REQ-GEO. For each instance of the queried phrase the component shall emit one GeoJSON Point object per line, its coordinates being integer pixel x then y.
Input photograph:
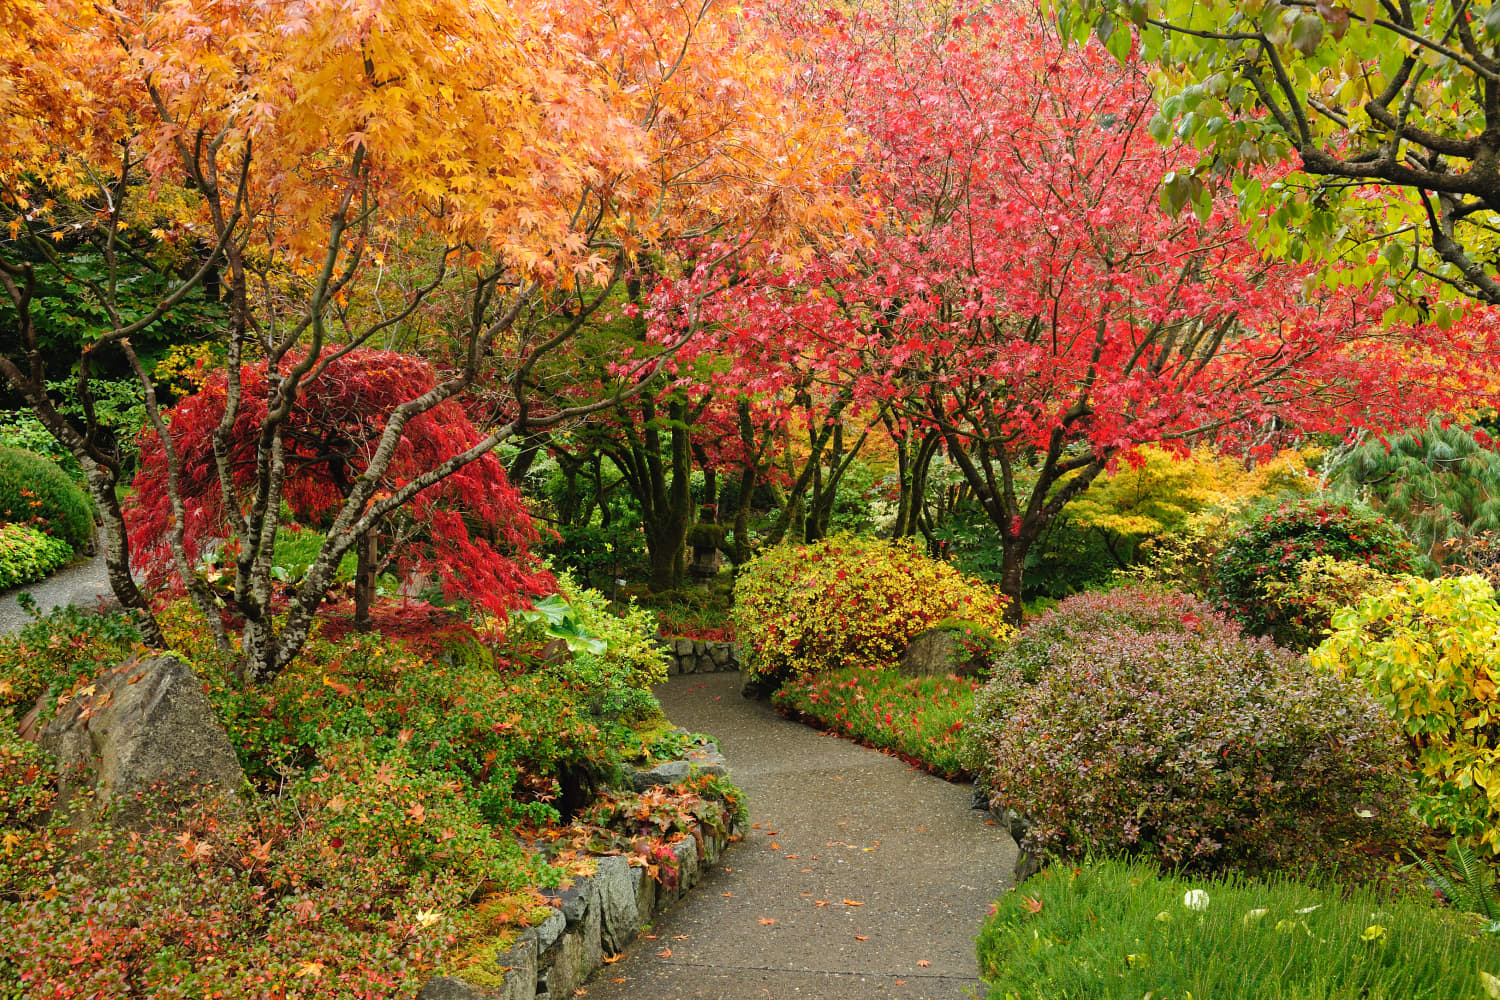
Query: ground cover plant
{"type": "Point", "coordinates": [1186, 741]}
{"type": "Point", "coordinates": [1427, 649]}
{"type": "Point", "coordinates": [920, 719]}
{"type": "Point", "coordinates": [1110, 930]}
{"type": "Point", "coordinates": [846, 601]}
{"type": "Point", "coordinates": [27, 554]}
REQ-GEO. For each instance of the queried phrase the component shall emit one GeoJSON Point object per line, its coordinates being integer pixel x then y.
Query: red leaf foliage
{"type": "Point", "coordinates": [472, 530]}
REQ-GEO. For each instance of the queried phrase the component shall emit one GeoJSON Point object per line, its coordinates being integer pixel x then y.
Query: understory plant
{"type": "Point", "coordinates": [845, 601]}
{"type": "Point", "coordinates": [1188, 742]}
{"type": "Point", "coordinates": [1111, 930]}
{"type": "Point", "coordinates": [1429, 650]}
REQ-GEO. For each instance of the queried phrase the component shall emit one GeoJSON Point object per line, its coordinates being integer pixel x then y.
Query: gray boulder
{"type": "Point", "coordinates": [938, 651]}
{"type": "Point", "coordinates": [143, 734]}
{"type": "Point", "coordinates": [666, 773]}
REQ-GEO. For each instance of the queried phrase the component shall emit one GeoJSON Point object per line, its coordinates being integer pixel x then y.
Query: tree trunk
{"type": "Point", "coordinates": [364, 580]}
{"type": "Point", "coordinates": [117, 553]}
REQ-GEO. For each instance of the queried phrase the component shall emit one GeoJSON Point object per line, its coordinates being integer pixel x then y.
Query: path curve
{"type": "Point", "coordinates": [58, 590]}
{"type": "Point", "coordinates": [835, 822]}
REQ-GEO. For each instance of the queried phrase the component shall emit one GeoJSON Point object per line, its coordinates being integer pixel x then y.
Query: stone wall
{"type": "Point", "coordinates": [701, 656]}
{"type": "Point", "coordinates": [596, 916]}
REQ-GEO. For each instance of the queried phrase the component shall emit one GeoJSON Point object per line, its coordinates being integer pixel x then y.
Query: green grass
{"type": "Point", "coordinates": [1116, 931]}
{"type": "Point", "coordinates": [919, 718]}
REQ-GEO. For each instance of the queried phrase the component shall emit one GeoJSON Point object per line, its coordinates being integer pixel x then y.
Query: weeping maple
{"type": "Point", "coordinates": [1020, 300]}
{"type": "Point", "coordinates": [470, 530]}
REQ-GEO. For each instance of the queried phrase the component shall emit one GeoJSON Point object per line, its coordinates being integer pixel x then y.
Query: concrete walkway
{"type": "Point", "coordinates": [835, 825]}
{"type": "Point", "coordinates": [57, 590]}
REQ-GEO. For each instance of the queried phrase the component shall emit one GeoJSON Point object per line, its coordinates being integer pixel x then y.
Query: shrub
{"type": "Point", "coordinates": [918, 718]}
{"type": "Point", "coordinates": [28, 786]}
{"type": "Point", "coordinates": [1274, 542]}
{"type": "Point", "coordinates": [1190, 743]}
{"type": "Point", "coordinates": [1305, 604]}
{"type": "Point", "coordinates": [1430, 652]}
{"type": "Point", "coordinates": [34, 491]}
{"type": "Point", "coordinates": [27, 554]}
{"type": "Point", "coordinates": [849, 601]}
{"type": "Point", "coordinates": [1114, 931]}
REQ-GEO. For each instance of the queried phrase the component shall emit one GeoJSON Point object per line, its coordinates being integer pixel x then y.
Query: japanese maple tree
{"type": "Point", "coordinates": [470, 530]}
{"type": "Point", "coordinates": [1020, 295]}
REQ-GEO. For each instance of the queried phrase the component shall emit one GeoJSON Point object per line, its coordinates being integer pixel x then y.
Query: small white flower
{"type": "Point", "coordinates": [1195, 899]}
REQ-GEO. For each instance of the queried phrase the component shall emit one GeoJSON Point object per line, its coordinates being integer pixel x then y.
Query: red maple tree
{"type": "Point", "coordinates": [1021, 295]}
{"type": "Point", "coordinates": [470, 530]}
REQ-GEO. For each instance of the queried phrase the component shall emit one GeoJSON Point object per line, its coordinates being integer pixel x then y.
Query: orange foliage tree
{"type": "Point", "coordinates": [343, 173]}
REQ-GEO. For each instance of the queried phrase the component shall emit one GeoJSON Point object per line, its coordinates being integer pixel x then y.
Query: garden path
{"type": "Point", "coordinates": [834, 822]}
{"type": "Point", "coordinates": [67, 586]}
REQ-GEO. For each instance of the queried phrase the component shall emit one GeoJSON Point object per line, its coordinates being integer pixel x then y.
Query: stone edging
{"type": "Point", "coordinates": [597, 915]}
{"type": "Point", "coordinates": [701, 656]}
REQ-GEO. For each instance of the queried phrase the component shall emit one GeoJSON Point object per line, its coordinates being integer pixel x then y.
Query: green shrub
{"type": "Point", "coordinates": [27, 554]}
{"type": "Point", "coordinates": [846, 601]}
{"type": "Point", "coordinates": [1115, 931]}
{"type": "Point", "coordinates": [34, 491]}
{"type": "Point", "coordinates": [918, 718]}
{"type": "Point", "coordinates": [1188, 742]}
{"type": "Point", "coordinates": [23, 429]}
{"type": "Point", "coordinates": [1275, 541]}
{"type": "Point", "coordinates": [28, 787]}
{"type": "Point", "coordinates": [1429, 650]}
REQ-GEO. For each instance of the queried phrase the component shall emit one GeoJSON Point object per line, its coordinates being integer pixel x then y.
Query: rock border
{"type": "Point", "coordinates": [597, 915]}
{"type": "Point", "coordinates": [687, 655]}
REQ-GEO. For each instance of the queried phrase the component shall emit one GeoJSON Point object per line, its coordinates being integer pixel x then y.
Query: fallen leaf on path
{"type": "Point", "coordinates": [618, 979]}
{"type": "Point", "coordinates": [664, 953]}
{"type": "Point", "coordinates": [821, 902]}
{"type": "Point", "coordinates": [726, 894]}
{"type": "Point", "coordinates": [923, 962]}
{"type": "Point", "coordinates": [775, 846]}
{"type": "Point", "coordinates": [767, 921]}
{"type": "Point", "coordinates": [680, 937]}
{"type": "Point", "coordinates": [612, 959]}
{"type": "Point", "coordinates": [861, 937]}
{"type": "Point", "coordinates": [853, 902]}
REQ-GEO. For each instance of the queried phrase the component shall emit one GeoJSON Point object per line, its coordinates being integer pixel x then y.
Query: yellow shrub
{"type": "Point", "coordinates": [1430, 651]}
{"type": "Point", "coordinates": [849, 601]}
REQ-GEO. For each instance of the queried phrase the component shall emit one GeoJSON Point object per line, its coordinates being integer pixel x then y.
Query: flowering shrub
{"type": "Point", "coordinates": [919, 718]}
{"type": "Point", "coordinates": [1188, 742]}
{"type": "Point", "coordinates": [1304, 604]}
{"type": "Point", "coordinates": [27, 554]}
{"type": "Point", "coordinates": [36, 492]}
{"type": "Point", "coordinates": [1108, 930]}
{"type": "Point", "coordinates": [849, 601]}
{"type": "Point", "coordinates": [1265, 554]}
{"type": "Point", "coordinates": [1430, 652]}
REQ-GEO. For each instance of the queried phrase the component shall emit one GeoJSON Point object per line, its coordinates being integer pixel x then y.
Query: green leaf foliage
{"type": "Point", "coordinates": [35, 492]}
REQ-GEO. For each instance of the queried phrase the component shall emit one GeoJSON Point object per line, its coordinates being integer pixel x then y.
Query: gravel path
{"type": "Point", "coordinates": [835, 825]}
{"type": "Point", "coordinates": [59, 589]}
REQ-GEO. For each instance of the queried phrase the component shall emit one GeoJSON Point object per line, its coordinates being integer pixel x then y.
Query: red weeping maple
{"type": "Point", "coordinates": [471, 530]}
